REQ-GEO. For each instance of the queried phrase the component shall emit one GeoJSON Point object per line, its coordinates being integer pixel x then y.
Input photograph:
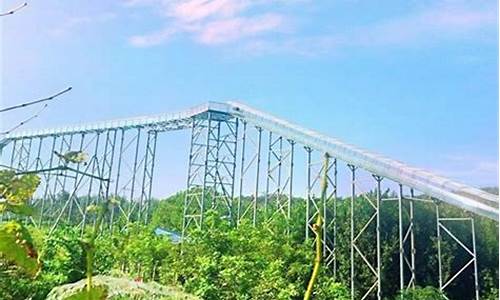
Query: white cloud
{"type": "Point", "coordinates": [209, 22]}
{"type": "Point", "coordinates": [152, 39]}
{"type": "Point", "coordinates": [227, 30]}
{"type": "Point", "coordinates": [198, 10]}
{"type": "Point", "coordinates": [217, 22]}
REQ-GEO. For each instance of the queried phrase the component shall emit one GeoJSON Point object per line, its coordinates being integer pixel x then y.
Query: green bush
{"type": "Point", "coordinates": [492, 295]}
{"type": "Point", "coordinates": [246, 262]}
{"type": "Point", "coordinates": [61, 259]}
{"type": "Point", "coordinates": [426, 293]}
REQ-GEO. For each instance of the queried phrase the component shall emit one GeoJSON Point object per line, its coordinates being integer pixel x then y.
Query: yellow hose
{"type": "Point", "coordinates": [317, 229]}
{"type": "Point", "coordinates": [317, 259]}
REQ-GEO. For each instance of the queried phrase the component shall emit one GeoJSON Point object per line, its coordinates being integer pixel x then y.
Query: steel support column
{"type": "Point", "coordinates": [117, 183]}
{"type": "Point", "coordinates": [372, 263]}
{"type": "Point", "coordinates": [211, 170]}
{"type": "Point", "coordinates": [13, 154]}
{"type": "Point", "coordinates": [147, 179]}
{"type": "Point", "coordinates": [74, 200]}
{"type": "Point", "coordinates": [242, 171]}
{"type": "Point", "coordinates": [250, 158]}
{"type": "Point", "coordinates": [257, 177]}
{"type": "Point", "coordinates": [60, 177]}
{"type": "Point", "coordinates": [23, 154]}
{"type": "Point", "coordinates": [129, 162]}
{"type": "Point", "coordinates": [277, 202]}
{"type": "Point", "coordinates": [93, 166]}
{"type": "Point", "coordinates": [351, 217]}
{"type": "Point", "coordinates": [249, 163]}
{"type": "Point", "coordinates": [133, 203]}
{"type": "Point", "coordinates": [37, 165]}
{"type": "Point", "coordinates": [329, 207]}
{"type": "Point", "coordinates": [47, 177]}
{"type": "Point", "coordinates": [106, 169]}
{"type": "Point", "coordinates": [468, 247]}
{"type": "Point", "coordinates": [406, 240]}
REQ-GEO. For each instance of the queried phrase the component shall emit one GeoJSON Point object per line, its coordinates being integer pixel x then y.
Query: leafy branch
{"type": "Point", "coordinates": [16, 244]}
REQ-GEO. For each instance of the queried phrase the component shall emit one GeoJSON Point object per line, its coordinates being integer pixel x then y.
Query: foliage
{"type": "Point", "coordinates": [63, 257]}
{"type": "Point", "coordinates": [95, 293]}
{"type": "Point", "coordinates": [15, 191]}
{"type": "Point", "coordinates": [18, 255]}
{"type": "Point", "coordinates": [118, 288]}
{"type": "Point", "coordinates": [222, 262]}
{"type": "Point", "coordinates": [135, 251]}
{"type": "Point", "coordinates": [16, 245]}
{"type": "Point", "coordinates": [329, 289]}
{"type": "Point", "coordinates": [168, 213]}
{"type": "Point", "coordinates": [247, 262]}
{"type": "Point", "coordinates": [427, 293]}
{"type": "Point", "coordinates": [61, 260]}
{"type": "Point", "coordinates": [492, 295]}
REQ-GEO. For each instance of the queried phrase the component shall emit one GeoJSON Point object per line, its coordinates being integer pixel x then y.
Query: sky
{"type": "Point", "coordinates": [414, 80]}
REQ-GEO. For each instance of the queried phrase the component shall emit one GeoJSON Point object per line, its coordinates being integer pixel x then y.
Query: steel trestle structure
{"type": "Point", "coordinates": [247, 164]}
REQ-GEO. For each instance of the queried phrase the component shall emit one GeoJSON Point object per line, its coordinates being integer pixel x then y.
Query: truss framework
{"type": "Point", "coordinates": [279, 180]}
{"type": "Point", "coordinates": [372, 263]}
{"type": "Point", "coordinates": [407, 249]}
{"type": "Point", "coordinates": [67, 189]}
{"type": "Point", "coordinates": [328, 207]}
{"type": "Point", "coordinates": [250, 166]}
{"type": "Point", "coordinates": [242, 163]}
{"type": "Point", "coordinates": [469, 247]}
{"type": "Point", "coordinates": [211, 170]}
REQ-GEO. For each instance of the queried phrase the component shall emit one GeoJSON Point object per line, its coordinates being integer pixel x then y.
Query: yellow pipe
{"type": "Point", "coordinates": [317, 229]}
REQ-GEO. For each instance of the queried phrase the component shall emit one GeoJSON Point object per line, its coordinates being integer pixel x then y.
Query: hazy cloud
{"type": "Point", "coordinates": [208, 22]}
{"type": "Point", "coordinates": [442, 21]}
{"type": "Point", "coordinates": [70, 24]}
{"type": "Point", "coordinates": [217, 22]}
{"type": "Point", "coordinates": [438, 23]}
{"type": "Point", "coordinates": [470, 168]}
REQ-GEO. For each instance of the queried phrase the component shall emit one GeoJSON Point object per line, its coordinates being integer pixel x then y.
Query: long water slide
{"type": "Point", "coordinates": [457, 194]}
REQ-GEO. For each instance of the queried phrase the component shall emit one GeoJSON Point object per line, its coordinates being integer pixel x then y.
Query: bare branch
{"type": "Point", "coordinates": [15, 9]}
{"type": "Point", "coordinates": [35, 102]}
{"type": "Point", "coordinates": [25, 121]}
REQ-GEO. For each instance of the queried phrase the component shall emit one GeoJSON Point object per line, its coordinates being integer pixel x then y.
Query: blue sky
{"type": "Point", "coordinates": [414, 80]}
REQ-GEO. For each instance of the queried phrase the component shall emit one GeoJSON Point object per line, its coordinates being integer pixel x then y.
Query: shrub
{"type": "Point", "coordinates": [425, 293]}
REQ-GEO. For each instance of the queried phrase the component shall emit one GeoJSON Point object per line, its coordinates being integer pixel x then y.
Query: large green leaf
{"type": "Point", "coordinates": [15, 191]}
{"type": "Point", "coordinates": [17, 247]}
